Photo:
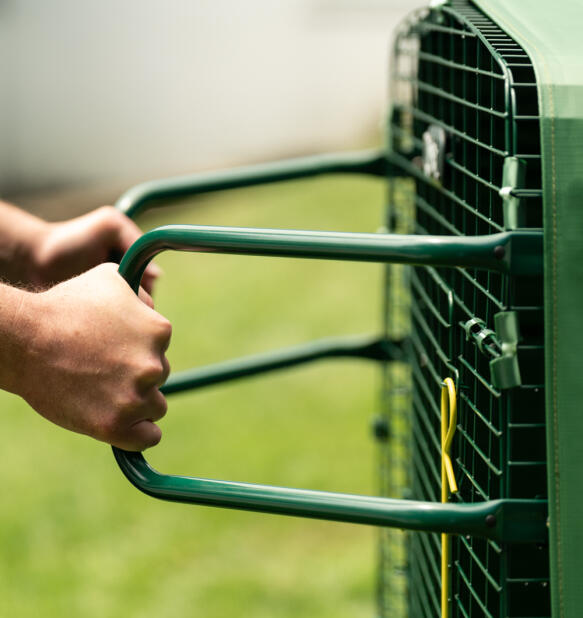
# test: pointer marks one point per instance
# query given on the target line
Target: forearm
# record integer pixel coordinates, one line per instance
(20, 233)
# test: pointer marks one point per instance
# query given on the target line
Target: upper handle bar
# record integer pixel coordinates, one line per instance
(516, 252)
(370, 162)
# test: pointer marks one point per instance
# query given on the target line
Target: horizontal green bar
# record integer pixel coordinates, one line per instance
(338, 347)
(517, 252)
(135, 200)
(513, 521)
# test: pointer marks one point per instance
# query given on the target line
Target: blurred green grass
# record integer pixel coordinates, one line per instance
(77, 539)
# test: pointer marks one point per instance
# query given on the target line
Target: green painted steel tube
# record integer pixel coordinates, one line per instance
(336, 347)
(501, 520)
(136, 199)
(514, 252)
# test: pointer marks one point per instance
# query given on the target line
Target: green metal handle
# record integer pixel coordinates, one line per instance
(519, 253)
(501, 520)
(136, 199)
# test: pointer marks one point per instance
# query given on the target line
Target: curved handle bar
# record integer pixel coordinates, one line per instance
(371, 162)
(519, 253)
(502, 520)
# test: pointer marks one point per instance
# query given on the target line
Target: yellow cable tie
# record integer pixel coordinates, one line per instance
(448, 396)
(448, 425)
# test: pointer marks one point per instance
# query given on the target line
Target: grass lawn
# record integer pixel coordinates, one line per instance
(77, 540)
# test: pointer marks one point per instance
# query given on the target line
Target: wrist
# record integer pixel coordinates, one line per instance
(21, 237)
(21, 317)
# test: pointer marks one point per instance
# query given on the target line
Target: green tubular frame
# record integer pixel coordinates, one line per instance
(370, 162)
(500, 520)
(364, 347)
(514, 252)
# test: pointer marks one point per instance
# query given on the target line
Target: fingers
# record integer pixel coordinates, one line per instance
(135, 428)
(145, 298)
(161, 333)
(142, 435)
(145, 435)
(153, 374)
(165, 370)
(152, 272)
(120, 229)
(123, 232)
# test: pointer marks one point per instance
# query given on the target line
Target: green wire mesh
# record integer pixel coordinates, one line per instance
(455, 69)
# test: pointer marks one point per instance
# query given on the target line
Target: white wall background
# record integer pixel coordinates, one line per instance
(96, 92)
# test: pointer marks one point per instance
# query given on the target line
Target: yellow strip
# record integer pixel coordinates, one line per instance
(448, 402)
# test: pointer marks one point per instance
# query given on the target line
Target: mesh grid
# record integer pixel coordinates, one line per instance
(455, 69)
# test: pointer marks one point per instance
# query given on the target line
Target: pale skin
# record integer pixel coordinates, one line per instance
(80, 347)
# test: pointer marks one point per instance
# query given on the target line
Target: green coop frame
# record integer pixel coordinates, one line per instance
(483, 283)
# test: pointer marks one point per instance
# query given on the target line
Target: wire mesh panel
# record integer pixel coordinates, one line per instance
(465, 128)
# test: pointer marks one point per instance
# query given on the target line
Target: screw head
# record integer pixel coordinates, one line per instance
(499, 252)
(490, 521)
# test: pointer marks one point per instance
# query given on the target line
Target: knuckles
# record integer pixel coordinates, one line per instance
(131, 423)
(109, 218)
(151, 372)
(164, 328)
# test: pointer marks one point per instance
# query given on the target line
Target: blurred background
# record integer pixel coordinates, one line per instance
(96, 97)
(105, 94)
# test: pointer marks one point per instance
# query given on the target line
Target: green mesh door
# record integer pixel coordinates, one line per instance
(464, 128)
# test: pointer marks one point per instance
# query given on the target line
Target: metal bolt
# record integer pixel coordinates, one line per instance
(490, 521)
(499, 252)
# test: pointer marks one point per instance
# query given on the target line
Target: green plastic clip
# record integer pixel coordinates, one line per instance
(476, 329)
(504, 370)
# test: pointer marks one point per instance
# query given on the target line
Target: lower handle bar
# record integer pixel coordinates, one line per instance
(517, 521)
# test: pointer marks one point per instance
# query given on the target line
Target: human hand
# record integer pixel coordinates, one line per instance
(93, 358)
(62, 250)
